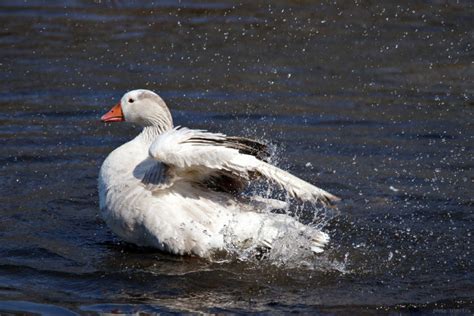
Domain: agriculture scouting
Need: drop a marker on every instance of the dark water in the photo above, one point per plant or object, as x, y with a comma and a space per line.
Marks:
378, 97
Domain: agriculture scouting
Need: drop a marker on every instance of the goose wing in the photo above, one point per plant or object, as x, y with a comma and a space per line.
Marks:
200, 155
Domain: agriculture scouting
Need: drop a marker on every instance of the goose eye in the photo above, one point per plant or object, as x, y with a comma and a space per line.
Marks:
131, 100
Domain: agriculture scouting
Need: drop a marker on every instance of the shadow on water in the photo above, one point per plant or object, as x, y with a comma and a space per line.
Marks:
371, 101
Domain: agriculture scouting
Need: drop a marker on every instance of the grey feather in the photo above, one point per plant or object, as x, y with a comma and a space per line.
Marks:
157, 177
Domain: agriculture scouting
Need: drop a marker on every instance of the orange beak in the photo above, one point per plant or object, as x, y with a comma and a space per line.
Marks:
114, 115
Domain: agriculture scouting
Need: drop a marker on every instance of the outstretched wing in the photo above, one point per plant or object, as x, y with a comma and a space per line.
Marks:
198, 154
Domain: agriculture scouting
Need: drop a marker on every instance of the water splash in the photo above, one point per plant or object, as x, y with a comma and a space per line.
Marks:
299, 225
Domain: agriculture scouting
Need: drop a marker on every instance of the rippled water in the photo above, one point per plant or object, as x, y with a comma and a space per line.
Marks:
371, 101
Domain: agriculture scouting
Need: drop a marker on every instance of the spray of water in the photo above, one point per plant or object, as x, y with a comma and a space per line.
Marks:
292, 248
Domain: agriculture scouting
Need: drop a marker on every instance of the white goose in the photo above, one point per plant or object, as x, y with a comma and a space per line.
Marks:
178, 189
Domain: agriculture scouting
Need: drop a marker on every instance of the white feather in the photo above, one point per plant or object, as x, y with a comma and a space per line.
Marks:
164, 208
175, 148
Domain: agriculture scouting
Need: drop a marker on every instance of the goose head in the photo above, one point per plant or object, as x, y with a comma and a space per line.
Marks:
141, 107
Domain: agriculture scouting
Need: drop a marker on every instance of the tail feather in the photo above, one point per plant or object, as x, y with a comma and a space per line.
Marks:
319, 239
266, 229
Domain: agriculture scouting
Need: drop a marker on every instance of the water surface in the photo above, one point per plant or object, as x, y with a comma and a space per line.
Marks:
371, 101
